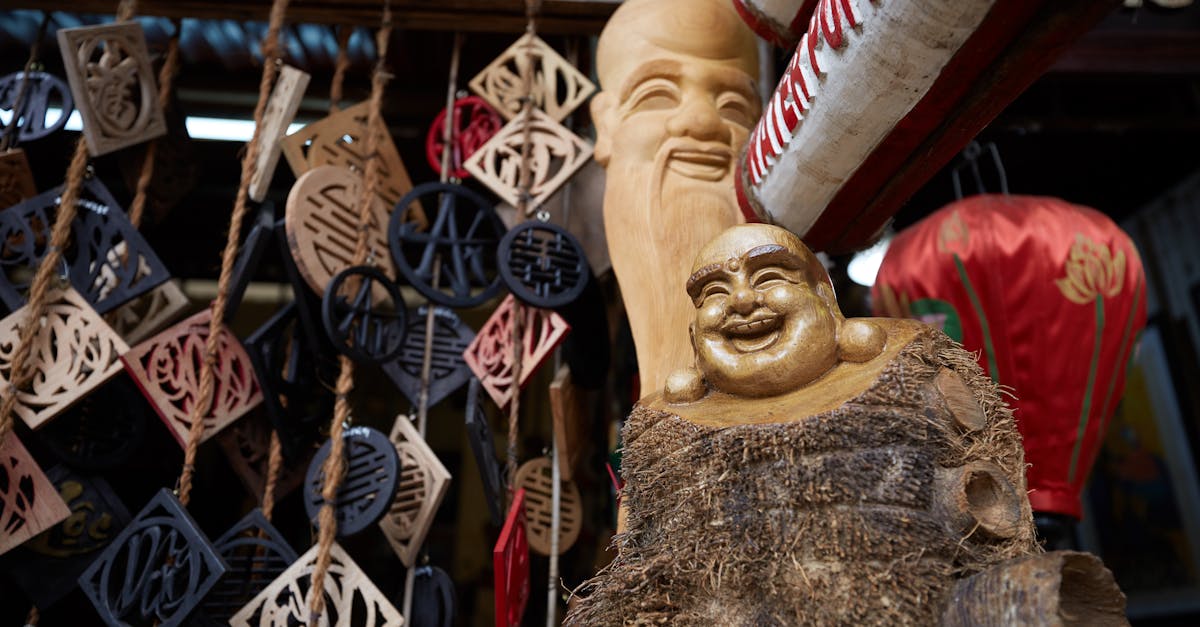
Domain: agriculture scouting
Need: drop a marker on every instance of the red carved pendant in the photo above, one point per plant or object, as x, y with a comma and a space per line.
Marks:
510, 559
29, 504
490, 354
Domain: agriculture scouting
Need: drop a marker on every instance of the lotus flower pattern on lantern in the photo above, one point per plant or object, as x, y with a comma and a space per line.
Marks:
1093, 271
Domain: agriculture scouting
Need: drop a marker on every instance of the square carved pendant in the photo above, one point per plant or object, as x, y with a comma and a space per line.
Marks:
29, 503
557, 87
423, 484
281, 109
490, 354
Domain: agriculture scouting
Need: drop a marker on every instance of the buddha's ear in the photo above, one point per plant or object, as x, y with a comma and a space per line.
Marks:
604, 116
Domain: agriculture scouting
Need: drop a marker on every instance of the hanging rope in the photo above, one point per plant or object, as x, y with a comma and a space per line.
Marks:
271, 53
11, 134
335, 464
339, 70
166, 78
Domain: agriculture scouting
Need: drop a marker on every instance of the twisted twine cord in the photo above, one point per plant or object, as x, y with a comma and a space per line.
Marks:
335, 464
339, 70
271, 51
166, 78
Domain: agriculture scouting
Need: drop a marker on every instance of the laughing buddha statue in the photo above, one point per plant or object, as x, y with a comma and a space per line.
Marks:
822, 471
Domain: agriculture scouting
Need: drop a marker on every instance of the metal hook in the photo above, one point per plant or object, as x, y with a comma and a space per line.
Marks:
970, 158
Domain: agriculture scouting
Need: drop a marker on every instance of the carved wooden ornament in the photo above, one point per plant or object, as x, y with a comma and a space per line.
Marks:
490, 354
147, 314
351, 600
42, 91
167, 369
536, 478
158, 569
358, 323
103, 430
483, 449
113, 83
257, 555
447, 370
16, 179
247, 447
423, 484
502, 82
555, 154
474, 123
369, 487
570, 430
281, 109
543, 264
74, 352
510, 563
433, 599
29, 504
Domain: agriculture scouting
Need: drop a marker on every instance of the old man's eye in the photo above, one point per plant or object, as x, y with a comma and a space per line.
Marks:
735, 108
655, 95
713, 289
770, 278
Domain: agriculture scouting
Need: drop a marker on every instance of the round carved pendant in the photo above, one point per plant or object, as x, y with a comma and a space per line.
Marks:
433, 598
543, 265
475, 122
359, 324
372, 475
461, 240
42, 92
535, 476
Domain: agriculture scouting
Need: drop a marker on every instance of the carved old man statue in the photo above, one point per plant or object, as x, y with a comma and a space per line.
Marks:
816, 470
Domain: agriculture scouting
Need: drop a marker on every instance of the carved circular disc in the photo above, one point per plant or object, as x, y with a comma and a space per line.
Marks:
102, 431
464, 233
542, 264
321, 222
42, 92
475, 122
535, 476
360, 325
372, 474
433, 598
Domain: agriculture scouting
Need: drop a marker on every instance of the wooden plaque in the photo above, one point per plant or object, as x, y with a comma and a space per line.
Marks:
570, 421
490, 354
502, 82
556, 153
147, 314
368, 487
16, 179
74, 352
257, 555
281, 109
510, 563
29, 504
167, 369
112, 80
247, 447
447, 370
536, 479
351, 599
423, 484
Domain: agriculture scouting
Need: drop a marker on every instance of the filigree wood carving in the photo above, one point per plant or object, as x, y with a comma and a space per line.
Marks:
257, 555
536, 478
351, 599
473, 124
167, 369
555, 154
447, 370
372, 475
74, 352
41, 92
281, 109
16, 179
510, 564
490, 354
423, 484
247, 447
570, 421
147, 314
29, 504
502, 82
112, 80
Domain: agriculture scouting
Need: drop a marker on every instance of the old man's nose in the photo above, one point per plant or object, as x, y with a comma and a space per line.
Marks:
743, 300
698, 118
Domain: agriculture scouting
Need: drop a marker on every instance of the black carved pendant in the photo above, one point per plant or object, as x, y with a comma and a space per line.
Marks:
108, 261
543, 265
433, 598
256, 554
372, 475
308, 304
483, 447
103, 430
249, 257
464, 236
157, 570
447, 371
356, 322
42, 92
48, 566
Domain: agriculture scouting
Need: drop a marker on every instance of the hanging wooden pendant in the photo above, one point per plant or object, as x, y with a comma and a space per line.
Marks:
147, 314
351, 600
250, 254
48, 566
483, 448
536, 478
247, 446
490, 354
256, 554
167, 369
433, 599
558, 88
42, 92
281, 109
16, 179
158, 568
112, 81
570, 421
423, 484
447, 370
543, 265
358, 324
74, 352
29, 504
109, 262
102, 431
475, 122
556, 152
510, 563
369, 487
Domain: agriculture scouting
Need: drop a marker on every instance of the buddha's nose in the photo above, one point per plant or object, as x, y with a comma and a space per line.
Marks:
698, 118
743, 300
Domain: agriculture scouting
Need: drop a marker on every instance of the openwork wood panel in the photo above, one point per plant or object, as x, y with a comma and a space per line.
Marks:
16, 179
490, 354
74, 352
167, 369
510, 564
369, 485
558, 88
113, 83
535, 477
281, 109
555, 154
423, 484
247, 447
29, 504
447, 371
256, 554
147, 314
351, 599
41, 91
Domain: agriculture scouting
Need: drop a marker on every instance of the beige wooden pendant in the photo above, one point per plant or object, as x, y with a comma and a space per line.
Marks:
167, 369
423, 484
351, 599
321, 222
29, 503
145, 315
535, 476
74, 352
502, 82
16, 179
281, 109
555, 153
570, 421
113, 84
490, 354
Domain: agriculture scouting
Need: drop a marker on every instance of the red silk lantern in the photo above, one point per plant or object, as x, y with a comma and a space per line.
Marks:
1052, 296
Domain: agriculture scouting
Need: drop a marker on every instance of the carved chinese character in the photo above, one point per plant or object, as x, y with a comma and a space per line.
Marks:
502, 83
257, 555
365, 494
29, 504
423, 484
40, 92
490, 355
535, 477
447, 370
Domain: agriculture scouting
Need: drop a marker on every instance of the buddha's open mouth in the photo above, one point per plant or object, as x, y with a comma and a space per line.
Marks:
758, 332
